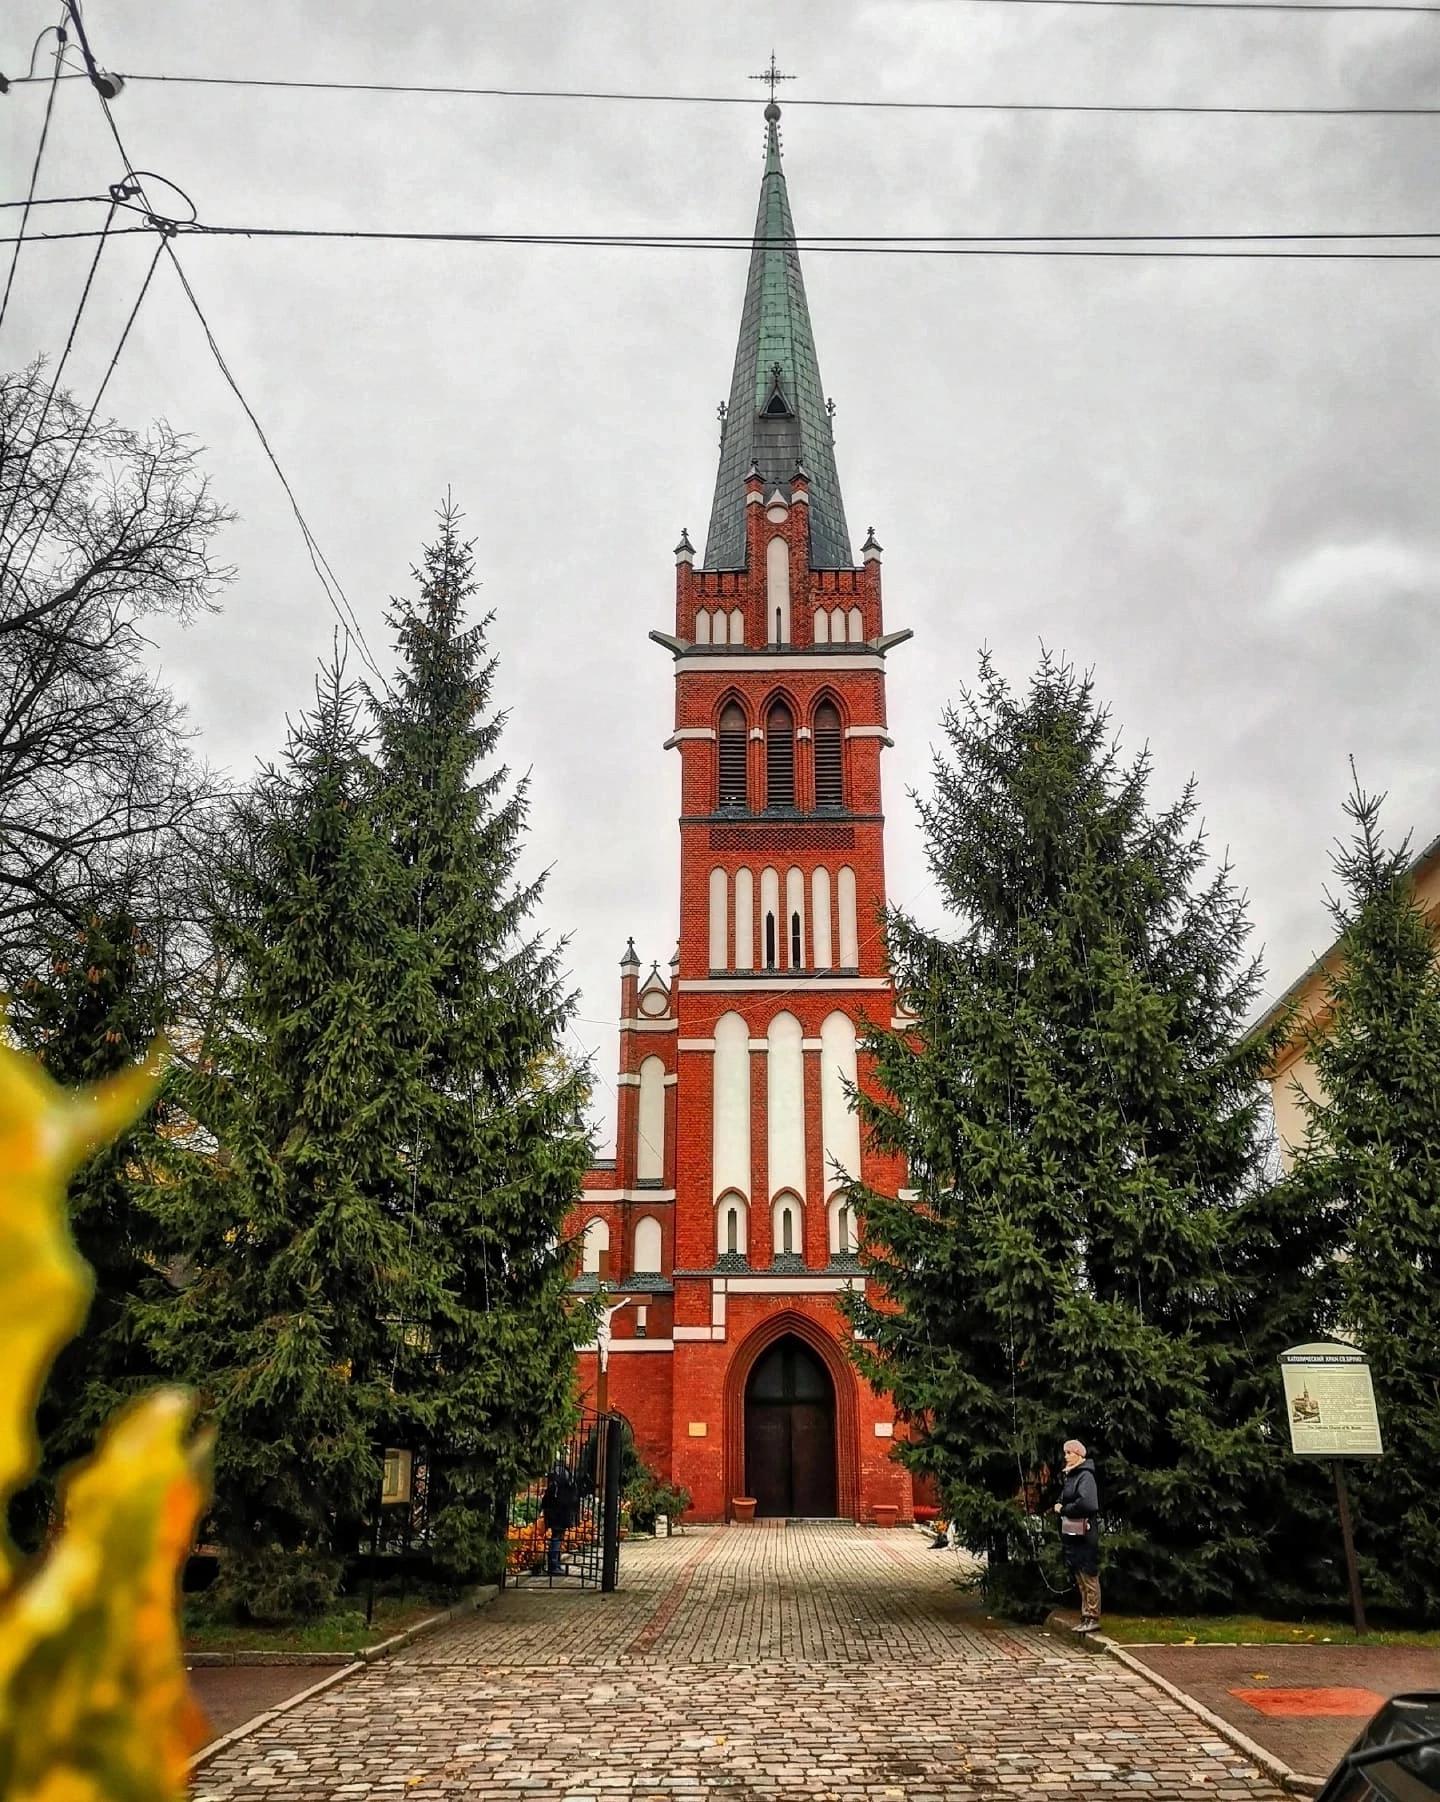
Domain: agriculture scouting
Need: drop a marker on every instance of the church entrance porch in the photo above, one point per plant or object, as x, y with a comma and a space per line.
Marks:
790, 1434
790, 1407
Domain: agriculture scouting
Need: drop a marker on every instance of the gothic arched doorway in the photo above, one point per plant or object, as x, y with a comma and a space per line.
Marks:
790, 1433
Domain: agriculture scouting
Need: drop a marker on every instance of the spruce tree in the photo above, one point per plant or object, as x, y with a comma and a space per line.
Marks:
503, 1148
1372, 1161
291, 1204
98, 1008
1080, 1114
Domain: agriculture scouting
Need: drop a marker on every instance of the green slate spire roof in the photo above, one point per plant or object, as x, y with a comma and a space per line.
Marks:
777, 417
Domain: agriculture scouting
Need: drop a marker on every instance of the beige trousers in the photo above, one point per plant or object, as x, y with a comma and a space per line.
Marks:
1089, 1594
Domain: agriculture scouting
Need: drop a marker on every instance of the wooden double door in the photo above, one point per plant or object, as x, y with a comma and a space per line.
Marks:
790, 1434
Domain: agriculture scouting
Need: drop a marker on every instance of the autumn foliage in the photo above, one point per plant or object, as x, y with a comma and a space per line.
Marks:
93, 1697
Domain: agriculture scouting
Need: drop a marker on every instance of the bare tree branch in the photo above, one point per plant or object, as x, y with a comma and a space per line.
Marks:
99, 785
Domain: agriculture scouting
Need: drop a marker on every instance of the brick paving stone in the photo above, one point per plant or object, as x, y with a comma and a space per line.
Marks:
827, 1663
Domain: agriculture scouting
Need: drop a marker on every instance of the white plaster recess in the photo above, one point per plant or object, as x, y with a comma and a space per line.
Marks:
744, 920
702, 627
597, 1239
794, 920
777, 590
771, 927
787, 1230
719, 909
820, 919
849, 929
648, 1243
785, 1105
841, 1227
839, 1124
732, 1227
737, 626
730, 1150
650, 1122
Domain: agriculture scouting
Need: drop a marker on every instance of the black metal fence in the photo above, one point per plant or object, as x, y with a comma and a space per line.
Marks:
565, 1524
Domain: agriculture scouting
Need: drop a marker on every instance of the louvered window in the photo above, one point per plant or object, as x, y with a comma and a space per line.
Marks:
829, 758
732, 757
779, 757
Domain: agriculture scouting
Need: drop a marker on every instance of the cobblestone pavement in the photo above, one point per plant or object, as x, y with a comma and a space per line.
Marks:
755, 1665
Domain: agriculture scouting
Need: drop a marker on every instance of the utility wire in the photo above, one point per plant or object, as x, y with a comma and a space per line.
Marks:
94, 408
444, 90
33, 445
329, 582
56, 200
35, 166
1202, 246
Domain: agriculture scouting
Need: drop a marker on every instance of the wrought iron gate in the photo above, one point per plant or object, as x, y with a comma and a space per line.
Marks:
575, 1500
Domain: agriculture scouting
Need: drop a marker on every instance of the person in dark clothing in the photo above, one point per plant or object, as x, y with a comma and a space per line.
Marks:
559, 1507
1079, 1511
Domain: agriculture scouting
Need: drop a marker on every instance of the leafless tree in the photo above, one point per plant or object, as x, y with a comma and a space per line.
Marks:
101, 530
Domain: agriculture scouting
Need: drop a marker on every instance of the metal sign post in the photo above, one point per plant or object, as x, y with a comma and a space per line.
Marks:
1330, 1405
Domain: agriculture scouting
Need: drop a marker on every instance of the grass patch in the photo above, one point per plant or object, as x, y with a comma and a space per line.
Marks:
1250, 1629
340, 1629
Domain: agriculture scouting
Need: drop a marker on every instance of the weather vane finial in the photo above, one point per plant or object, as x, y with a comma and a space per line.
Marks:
772, 75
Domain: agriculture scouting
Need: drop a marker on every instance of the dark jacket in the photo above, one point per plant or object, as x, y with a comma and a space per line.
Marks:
560, 1504
1080, 1499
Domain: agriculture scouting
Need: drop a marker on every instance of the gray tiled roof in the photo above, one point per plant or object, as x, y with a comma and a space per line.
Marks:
776, 355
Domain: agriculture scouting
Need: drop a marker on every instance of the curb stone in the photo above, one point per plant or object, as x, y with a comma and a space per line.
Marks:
1296, 1782
349, 1663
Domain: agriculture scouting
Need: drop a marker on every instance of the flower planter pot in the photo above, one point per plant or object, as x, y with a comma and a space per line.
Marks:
886, 1514
743, 1507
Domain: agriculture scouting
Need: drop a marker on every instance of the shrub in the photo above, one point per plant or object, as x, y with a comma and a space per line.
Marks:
271, 1585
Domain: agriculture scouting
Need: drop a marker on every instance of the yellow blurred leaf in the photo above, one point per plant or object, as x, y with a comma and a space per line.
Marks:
94, 1705
45, 1132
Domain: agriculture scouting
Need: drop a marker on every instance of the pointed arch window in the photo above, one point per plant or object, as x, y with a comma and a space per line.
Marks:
829, 757
779, 757
732, 741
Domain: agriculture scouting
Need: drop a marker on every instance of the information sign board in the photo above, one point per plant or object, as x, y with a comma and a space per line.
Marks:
1330, 1402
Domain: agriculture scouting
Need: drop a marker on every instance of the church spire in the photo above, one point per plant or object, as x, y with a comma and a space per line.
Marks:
777, 416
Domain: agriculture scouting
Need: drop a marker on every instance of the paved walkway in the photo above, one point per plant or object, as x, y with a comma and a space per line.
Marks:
751, 1664
1304, 1703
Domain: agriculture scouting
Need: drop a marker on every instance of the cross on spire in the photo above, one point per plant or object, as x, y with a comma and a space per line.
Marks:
772, 75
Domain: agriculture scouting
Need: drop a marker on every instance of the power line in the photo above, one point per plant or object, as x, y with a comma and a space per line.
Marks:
1215, 246
84, 431
54, 200
349, 623
1230, 6
54, 385
329, 582
868, 104
35, 166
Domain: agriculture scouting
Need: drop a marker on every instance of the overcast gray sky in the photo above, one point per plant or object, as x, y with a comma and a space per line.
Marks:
1214, 483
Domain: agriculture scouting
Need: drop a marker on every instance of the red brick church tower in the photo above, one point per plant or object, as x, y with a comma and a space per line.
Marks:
718, 1232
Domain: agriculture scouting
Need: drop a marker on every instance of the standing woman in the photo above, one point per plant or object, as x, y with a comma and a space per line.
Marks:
1079, 1511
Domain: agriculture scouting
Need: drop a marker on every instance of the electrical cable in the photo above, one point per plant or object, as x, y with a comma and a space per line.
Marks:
35, 167
446, 91
56, 200
329, 582
94, 408
1161, 246
168, 228
54, 384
